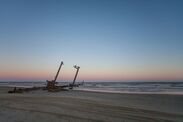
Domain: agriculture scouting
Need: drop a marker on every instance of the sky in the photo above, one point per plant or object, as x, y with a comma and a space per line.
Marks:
111, 40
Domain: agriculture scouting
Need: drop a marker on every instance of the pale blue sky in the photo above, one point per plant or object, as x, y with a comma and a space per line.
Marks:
128, 36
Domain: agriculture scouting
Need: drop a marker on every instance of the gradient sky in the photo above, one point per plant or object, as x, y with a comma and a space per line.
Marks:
115, 40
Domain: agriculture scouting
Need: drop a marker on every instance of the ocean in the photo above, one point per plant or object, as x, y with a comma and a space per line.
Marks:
135, 87
116, 87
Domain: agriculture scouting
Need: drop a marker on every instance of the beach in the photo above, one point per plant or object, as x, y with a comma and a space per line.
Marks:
87, 106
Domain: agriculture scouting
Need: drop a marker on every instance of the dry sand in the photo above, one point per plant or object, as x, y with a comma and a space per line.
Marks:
84, 106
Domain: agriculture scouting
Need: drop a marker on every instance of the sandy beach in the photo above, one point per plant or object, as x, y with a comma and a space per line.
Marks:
85, 106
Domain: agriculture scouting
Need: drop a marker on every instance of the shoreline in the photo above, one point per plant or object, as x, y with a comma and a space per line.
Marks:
173, 88
112, 92
121, 92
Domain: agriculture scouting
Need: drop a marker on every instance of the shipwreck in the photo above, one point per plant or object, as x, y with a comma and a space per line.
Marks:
52, 85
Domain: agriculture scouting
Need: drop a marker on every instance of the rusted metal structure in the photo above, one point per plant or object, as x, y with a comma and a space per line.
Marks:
77, 67
51, 85
73, 83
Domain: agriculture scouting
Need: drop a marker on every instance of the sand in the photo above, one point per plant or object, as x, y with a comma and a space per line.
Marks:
85, 106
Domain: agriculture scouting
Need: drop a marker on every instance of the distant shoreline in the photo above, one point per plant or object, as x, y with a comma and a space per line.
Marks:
174, 88
108, 92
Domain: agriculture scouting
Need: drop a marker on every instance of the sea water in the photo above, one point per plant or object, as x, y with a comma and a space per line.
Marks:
135, 87
173, 87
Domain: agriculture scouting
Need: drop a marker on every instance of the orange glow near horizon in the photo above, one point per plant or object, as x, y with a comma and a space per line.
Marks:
93, 75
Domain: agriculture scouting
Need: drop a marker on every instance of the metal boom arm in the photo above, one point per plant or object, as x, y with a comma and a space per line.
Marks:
77, 67
58, 71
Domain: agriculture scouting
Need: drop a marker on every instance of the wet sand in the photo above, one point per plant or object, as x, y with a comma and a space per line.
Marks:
85, 106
